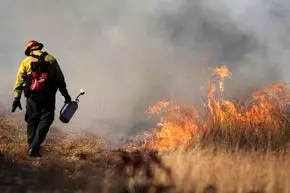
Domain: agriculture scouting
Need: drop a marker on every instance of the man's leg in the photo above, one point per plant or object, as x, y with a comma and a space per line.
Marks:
46, 119
32, 117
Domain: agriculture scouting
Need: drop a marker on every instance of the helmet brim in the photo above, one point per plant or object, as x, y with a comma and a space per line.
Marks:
39, 46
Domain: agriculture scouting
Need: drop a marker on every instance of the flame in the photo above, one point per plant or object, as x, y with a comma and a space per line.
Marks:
222, 73
179, 123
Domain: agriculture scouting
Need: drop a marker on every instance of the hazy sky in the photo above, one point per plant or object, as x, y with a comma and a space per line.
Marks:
129, 54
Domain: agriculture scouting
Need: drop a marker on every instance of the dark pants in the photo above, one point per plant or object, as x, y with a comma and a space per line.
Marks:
39, 117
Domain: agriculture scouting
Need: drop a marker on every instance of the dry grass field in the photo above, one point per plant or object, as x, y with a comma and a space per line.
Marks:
81, 164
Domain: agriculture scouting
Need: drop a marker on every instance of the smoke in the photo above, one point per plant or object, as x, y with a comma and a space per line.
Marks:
129, 54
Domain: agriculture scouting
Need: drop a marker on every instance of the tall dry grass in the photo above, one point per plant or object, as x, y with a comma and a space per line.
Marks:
199, 170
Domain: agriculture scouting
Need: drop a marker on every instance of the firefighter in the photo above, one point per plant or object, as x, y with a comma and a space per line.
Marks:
38, 78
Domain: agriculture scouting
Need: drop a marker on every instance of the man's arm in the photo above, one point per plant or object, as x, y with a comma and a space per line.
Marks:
20, 78
60, 81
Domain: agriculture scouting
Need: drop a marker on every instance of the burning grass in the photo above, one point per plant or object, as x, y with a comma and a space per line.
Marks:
260, 122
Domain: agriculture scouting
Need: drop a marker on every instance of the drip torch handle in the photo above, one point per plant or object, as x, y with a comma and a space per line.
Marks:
77, 98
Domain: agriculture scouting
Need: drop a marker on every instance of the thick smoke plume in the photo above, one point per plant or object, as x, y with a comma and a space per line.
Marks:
129, 54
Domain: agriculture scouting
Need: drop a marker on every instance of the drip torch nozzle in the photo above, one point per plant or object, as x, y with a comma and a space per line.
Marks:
82, 92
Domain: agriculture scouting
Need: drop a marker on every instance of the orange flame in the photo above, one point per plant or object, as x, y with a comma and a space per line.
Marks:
174, 128
179, 123
222, 73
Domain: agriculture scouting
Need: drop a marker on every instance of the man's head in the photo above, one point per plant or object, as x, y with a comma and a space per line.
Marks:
32, 45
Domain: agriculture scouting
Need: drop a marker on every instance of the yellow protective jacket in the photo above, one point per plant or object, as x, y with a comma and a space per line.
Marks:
54, 71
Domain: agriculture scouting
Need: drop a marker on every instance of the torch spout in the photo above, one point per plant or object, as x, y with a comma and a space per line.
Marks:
82, 92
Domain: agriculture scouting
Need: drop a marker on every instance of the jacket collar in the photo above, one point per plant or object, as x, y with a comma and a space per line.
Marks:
36, 52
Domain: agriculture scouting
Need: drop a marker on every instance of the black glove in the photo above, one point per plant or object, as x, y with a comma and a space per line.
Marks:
67, 99
16, 103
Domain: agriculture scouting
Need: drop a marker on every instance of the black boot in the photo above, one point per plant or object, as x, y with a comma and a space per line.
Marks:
34, 152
